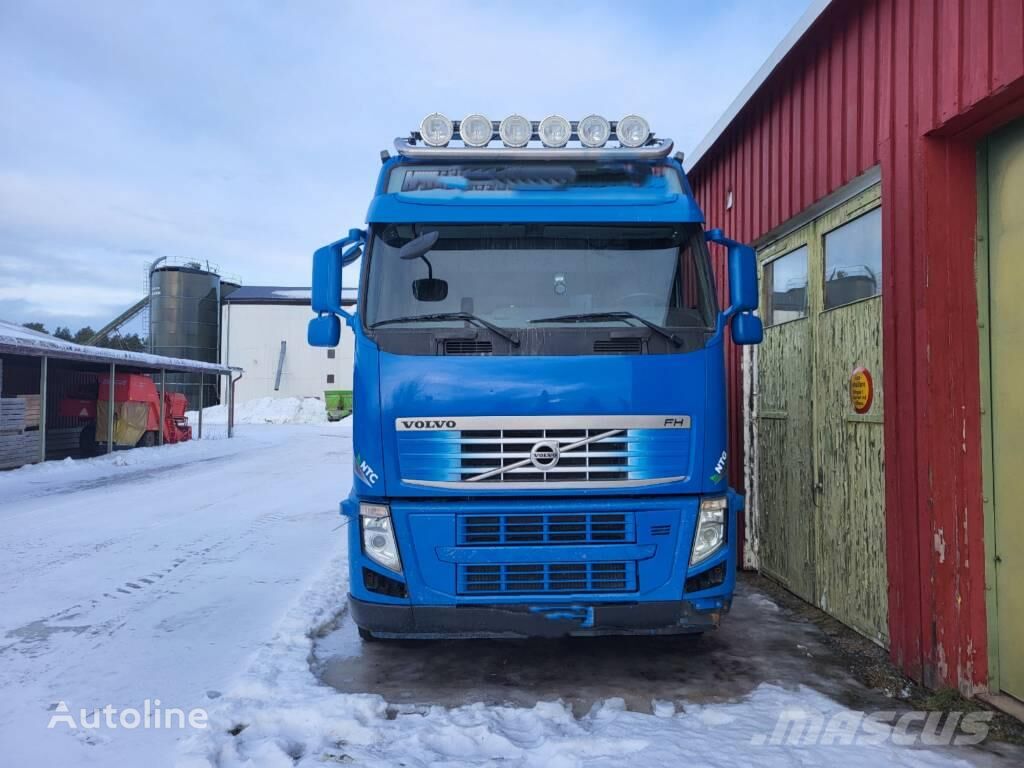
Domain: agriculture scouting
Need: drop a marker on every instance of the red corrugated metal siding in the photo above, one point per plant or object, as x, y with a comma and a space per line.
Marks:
910, 85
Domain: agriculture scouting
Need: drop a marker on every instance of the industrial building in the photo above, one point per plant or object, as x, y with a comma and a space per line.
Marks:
263, 330
877, 163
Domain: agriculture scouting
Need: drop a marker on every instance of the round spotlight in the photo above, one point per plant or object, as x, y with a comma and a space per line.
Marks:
554, 131
594, 131
515, 131
633, 131
476, 131
436, 130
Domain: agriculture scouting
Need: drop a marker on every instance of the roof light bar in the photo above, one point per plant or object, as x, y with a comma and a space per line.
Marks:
594, 131
515, 131
632, 131
476, 131
554, 133
436, 130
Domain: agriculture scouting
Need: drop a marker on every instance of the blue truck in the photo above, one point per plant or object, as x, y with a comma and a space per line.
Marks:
539, 426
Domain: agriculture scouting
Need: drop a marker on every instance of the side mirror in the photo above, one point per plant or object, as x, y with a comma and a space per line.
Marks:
325, 298
747, 329
743, 293
324, 331
430, 289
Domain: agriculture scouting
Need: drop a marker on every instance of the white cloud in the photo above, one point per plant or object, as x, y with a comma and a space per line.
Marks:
247, 134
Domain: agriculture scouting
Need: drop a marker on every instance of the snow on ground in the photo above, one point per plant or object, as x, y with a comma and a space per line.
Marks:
154, 574
267, 410
278, 714
197, 575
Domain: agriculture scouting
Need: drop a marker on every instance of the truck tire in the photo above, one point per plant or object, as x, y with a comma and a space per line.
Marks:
148, 440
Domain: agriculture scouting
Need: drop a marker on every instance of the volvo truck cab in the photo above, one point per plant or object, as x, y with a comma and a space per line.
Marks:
539, 433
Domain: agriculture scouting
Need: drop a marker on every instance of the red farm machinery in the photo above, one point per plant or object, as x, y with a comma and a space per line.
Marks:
136, 414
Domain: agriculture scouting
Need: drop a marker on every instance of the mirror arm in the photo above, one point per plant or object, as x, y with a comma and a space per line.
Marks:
717, 236
355, 238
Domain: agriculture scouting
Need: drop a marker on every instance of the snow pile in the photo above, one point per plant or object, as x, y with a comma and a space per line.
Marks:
267, 410
280, 715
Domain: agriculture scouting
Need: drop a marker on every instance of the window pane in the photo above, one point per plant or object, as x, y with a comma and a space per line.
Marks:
853, 260
786, 278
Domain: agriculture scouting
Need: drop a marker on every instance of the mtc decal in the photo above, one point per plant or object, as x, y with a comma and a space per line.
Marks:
862, 390
364, 471
720, 468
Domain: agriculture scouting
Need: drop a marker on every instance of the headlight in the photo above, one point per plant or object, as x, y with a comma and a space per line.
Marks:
379, 536
515, 131
436, 130
476, 131
554, 131
593, 131
633, 131
710, 529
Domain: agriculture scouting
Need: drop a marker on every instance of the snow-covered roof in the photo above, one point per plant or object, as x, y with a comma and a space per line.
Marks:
279, 294
18, 340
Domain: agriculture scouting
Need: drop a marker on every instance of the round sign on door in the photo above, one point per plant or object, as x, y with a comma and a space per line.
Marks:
862, 390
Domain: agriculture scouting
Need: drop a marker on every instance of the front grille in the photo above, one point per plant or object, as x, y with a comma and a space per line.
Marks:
487, 450
533, 578
569, 528
526, 452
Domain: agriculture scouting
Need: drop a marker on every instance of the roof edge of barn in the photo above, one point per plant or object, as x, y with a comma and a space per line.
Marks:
789, 42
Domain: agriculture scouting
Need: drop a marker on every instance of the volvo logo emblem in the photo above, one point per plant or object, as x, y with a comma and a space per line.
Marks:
545, 454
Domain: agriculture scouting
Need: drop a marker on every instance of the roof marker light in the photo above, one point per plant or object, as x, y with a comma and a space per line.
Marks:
594, 131
554, 131
476, 130
633, 131
436, 130
515, 131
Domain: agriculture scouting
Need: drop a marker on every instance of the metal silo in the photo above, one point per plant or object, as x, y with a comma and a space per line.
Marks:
184, 305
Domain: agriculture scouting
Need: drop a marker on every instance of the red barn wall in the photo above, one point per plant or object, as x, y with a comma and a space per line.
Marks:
910, 86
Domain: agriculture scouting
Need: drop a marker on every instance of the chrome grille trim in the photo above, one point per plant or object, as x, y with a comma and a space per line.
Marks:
458, 423
538, 452
455, 485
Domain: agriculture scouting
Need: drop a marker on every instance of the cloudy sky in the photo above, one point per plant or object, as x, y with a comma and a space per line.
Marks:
248, 133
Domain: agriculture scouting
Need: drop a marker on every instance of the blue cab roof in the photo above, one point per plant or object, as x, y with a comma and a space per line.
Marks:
657, 192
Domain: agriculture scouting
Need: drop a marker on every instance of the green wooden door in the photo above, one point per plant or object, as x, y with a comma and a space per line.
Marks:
849, 471
783, 421
819, 459
1006, 277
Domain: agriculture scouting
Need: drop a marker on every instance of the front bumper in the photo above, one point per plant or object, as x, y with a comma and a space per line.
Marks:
673, 617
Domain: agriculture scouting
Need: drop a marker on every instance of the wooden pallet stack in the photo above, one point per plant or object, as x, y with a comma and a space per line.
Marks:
18, 443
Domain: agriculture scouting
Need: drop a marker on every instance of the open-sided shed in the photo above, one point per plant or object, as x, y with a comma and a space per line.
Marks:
38, 370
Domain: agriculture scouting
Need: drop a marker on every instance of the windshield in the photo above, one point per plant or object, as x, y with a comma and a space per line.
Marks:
539, 275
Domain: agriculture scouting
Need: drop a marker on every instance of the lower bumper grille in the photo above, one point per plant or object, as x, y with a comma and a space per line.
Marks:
541, 578
547, 528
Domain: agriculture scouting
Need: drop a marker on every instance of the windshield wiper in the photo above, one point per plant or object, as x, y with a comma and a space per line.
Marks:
588, 317
442, 316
